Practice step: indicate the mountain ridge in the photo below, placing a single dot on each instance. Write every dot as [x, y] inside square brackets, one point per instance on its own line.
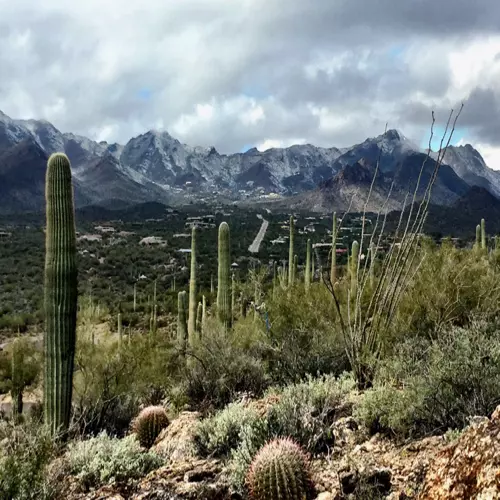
[154, 166]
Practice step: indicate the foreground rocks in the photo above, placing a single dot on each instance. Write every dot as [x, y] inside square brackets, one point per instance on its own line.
[357, 467]
[469, 467]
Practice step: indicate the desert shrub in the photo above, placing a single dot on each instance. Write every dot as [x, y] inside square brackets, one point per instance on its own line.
[306, 411]
[106, 460]
[113, 381]
[221, 433]
[430, 386]
[304, 338]
[25, 452]
[303, 411]
[467, 286]
[223, 365]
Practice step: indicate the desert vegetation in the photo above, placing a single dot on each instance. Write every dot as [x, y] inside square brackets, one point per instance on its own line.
[391, 330]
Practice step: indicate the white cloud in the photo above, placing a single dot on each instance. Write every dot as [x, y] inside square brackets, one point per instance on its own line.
[230, 74]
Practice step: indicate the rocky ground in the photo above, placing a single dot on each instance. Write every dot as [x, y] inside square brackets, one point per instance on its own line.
[357, 468]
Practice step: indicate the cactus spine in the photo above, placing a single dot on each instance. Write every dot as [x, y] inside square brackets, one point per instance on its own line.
[60, 301]
[223, 285]
[182, 329]
[307, 276]
[290, 252]
[280, 471]
[192, 290]
[333, 266]
[483, 234]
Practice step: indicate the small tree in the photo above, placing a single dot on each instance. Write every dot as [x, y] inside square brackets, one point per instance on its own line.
[20, 366]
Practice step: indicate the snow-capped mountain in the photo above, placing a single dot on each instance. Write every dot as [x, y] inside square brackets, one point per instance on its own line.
[155, 166]
[471, 167]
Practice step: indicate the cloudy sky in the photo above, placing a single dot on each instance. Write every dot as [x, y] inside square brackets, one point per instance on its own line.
[243, 73]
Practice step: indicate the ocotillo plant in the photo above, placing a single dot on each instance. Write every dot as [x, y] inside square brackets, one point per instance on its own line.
[223, 286]
[182, 329]
[307, 275]
[60, 302]
[291, 251]
[483, 235]
[192, 290]
[333, 267]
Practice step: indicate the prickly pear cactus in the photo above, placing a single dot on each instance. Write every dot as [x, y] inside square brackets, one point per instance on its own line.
[149, 423]
[280, 471]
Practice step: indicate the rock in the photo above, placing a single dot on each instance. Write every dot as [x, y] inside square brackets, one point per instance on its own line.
[176, 441]
[469, 468]
[374, 480]
[326, 495]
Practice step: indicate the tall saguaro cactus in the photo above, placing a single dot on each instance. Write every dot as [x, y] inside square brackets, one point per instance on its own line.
[478, 237]
[223, 285]
[333, 266]
[290, 252]
[60, 294]
[307, 276]
[193, 305]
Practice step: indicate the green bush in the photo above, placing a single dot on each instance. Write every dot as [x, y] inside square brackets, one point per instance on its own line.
[304, 337]
[221, 433]
[306, 411]
[25, 452]
[105, 460]
[223, 366]
[113, 381]
[430, 386]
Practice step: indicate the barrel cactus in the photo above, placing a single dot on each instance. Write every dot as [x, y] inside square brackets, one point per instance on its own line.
[60, 294]
[280, 471]
[149, 423]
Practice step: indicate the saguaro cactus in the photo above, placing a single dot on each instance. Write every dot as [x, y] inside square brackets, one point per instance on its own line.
[478, 237]
[307, 276]
[333, 266]
[203, 313]
[193, 306]
[354, 266]
[483, 235]
[199, 317]
[290, 251]
[224, 286]
[60, 301]
[182, 329]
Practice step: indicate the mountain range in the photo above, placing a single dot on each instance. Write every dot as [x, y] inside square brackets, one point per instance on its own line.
[157, 167]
